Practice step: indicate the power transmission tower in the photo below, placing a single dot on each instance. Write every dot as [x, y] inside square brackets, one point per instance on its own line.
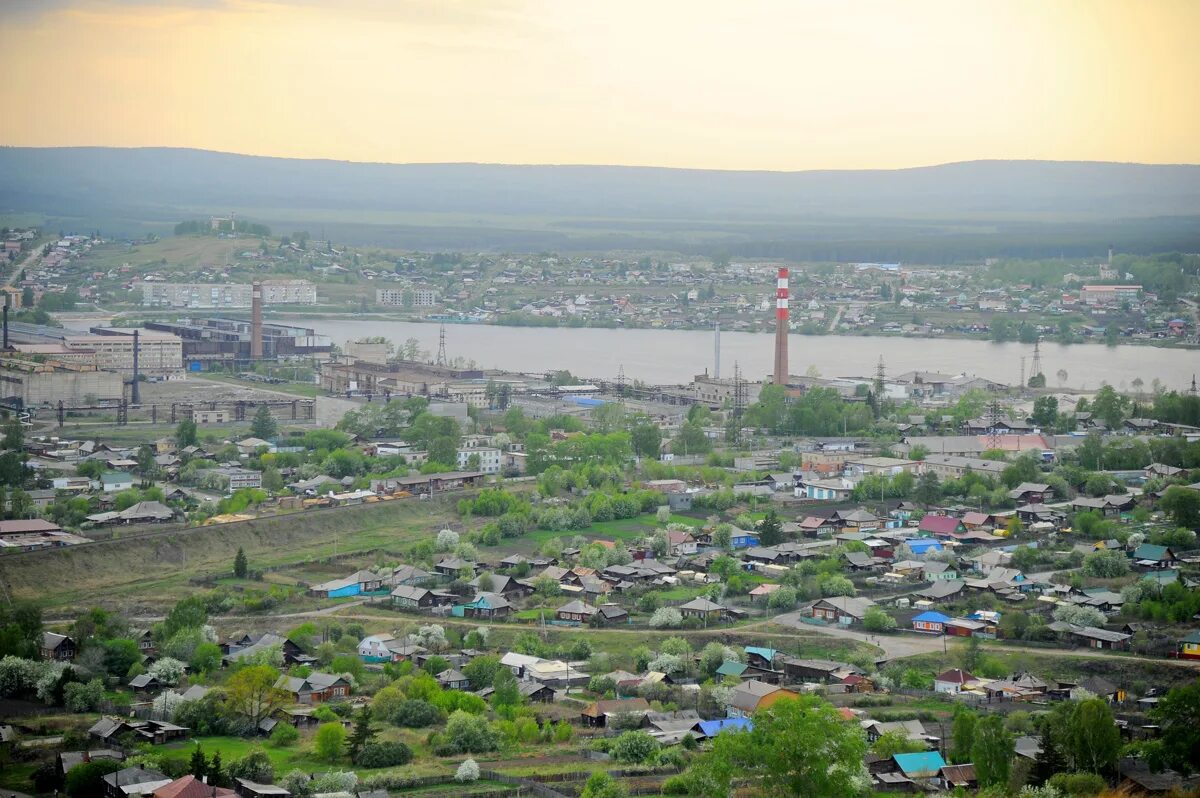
[441, 353]
[1022, 373]
[1192, 391]
[993, 417]
[739, 391]
[621, 381]
[880, 373]
[1037, 358]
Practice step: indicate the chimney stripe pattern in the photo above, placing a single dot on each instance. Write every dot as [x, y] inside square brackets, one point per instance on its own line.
[781, 328]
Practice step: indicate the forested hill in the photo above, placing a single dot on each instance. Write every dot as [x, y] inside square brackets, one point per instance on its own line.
[580, 203]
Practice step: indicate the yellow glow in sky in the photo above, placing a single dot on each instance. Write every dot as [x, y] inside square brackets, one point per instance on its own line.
[760, 84]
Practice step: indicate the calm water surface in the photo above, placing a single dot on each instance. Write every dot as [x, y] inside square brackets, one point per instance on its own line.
[675, 356]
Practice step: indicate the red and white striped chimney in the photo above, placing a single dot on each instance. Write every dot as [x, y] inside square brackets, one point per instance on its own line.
[781, 328]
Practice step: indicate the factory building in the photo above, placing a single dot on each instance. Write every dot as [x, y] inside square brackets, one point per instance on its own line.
[225, 340]
[32, 384]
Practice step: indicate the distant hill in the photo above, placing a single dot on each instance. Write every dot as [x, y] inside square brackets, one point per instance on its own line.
[1037, 206]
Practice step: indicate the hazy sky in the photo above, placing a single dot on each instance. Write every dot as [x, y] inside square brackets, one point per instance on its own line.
[769, 84]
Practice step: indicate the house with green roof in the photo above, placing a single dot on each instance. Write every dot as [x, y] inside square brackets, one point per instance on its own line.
[1150, 555]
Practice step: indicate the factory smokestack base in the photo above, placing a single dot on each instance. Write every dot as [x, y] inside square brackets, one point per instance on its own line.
[781, 328]
[256, 322]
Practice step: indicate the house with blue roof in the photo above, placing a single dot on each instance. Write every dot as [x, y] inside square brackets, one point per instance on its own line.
[921, 765]
[762, 657]
[711, 728]
[922, 546]
[931, 621]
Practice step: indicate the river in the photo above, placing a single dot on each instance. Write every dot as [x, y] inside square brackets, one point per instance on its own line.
[675, 356]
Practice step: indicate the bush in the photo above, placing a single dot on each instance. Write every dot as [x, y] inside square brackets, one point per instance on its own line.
[1078, 785]
[470, 734]
[283, 735]
[1106, 564]
[876, 620]
[384, 755]
[416, 714]
[328, 741]
[255, 766]
[634, 747]
[467, 771]
[666, 618]
[80, 697]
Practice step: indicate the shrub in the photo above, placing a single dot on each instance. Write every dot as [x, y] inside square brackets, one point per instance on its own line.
[328, 741]
[467, 771]
[876, 620]
[80, 697]
[255, 766]
[666, 618]
[1078, 785]
[782, 599]
[384, 755]
[634, 747]
[283, 735]
[470, 734]
[416, 714]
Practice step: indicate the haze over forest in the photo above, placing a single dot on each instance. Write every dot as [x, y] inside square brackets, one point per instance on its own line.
[936, 213]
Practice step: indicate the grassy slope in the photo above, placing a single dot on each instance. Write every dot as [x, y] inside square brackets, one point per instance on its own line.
[162, 565]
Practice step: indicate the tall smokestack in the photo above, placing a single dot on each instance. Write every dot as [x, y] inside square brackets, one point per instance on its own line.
[781, 328]
[717, 351]
[135, 393]
[256, 336]
[6, 323]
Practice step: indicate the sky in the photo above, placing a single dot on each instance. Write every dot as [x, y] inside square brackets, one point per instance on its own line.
[737, 84]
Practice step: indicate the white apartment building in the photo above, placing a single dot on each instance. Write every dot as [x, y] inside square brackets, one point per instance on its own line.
[490, 459]
[227, 295]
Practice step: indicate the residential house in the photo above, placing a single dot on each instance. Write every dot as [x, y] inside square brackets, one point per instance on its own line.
[115, 481]
[843, 610]
[453, 567]
[613, 613]
[921, 765]
[487, 605]
[704, 609]
[599, 713]
[931, 621]
[409, 575]
[936, 571]
[941, 525]
[355, 584]
[144, 684]
[414, 598]
[1149, 555]
[576, 611]
[1189, 646]
[1031, 493]
[56, 647]
[751, 696]
[952, 681]
[134, 781]
[958, 777]
[453, 679]
[316, 688]
[191, 787]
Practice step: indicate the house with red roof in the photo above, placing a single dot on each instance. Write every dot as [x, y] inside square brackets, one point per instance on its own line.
[943, 525]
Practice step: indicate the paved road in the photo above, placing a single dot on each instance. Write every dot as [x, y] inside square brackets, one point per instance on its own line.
[20, 267]
[910, 645]
[894, 646]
